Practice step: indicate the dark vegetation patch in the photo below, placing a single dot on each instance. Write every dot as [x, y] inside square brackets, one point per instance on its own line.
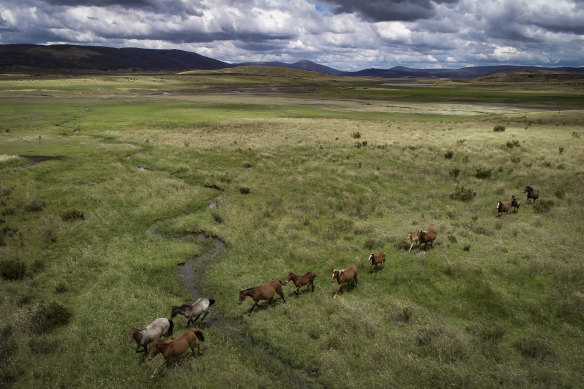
[543, 206]
[535, 347]
[49, 316]
[499, 128]
[35, 206]
[12, 269]
[72, 214]
[463, 194]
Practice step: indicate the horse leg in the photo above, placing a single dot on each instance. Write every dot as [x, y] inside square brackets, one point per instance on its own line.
[297, 291]
[311, 284]
[197, 318]
[252, 307]
[158, 368]
[281, 293]
[339, 288]
[356, 283]
[204, 316]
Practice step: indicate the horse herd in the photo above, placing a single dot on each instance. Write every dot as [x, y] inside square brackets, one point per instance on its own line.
[515, 203]
[170, 348]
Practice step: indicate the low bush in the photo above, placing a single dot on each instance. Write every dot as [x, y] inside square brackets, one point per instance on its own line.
[543, 206]
[534, 347]
[356, 135]
[488, 332]
[449, 154]
[499, 129]
[463, 194]
[454, 173]
[49, 316]
[483, 173]
[513, 144]
[72, 214]
[244, 190]
[12, 269]
[35, 206]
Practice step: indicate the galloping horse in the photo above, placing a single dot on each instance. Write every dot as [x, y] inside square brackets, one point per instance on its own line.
[174, 348]
[156, 329]
[262, 292]
[195, 309]
[347, 274]
[376, 259]
[299, 281]
[423, 237]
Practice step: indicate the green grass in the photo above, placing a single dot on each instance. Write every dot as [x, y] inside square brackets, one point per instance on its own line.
[496, 302]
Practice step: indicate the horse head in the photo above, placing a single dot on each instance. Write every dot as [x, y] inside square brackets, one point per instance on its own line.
[133, 332]
[155, 349]
[242, 295]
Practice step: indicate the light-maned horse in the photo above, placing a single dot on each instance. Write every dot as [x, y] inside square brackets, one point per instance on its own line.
[196, 309]
[262, 292]
[143, 336]
[425, 237]
[376, 259]
[173, 348]
[345, 275]
[300, 281]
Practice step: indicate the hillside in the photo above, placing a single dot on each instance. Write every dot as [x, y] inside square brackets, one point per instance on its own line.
[87, 58]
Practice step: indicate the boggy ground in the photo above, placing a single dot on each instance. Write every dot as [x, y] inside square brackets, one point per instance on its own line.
[310, 182]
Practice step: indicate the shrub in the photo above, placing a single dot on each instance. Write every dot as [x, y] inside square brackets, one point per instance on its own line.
[5, 191]
[35, 206]
[543, 206]
[449, 154]
[12, 269]
[356, 135]
[246, 165]
[513, 143]
[462, 194]
[488, 332]
[72, 214]
[499, 128]
[244, 190]
[560, 193]
[454, 173]
[217, 217]
[483, 173]
[49, 316]
[561, 149]
[534, 347]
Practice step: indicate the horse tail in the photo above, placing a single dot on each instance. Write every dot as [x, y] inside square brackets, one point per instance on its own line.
[199, 334]
[170, 327]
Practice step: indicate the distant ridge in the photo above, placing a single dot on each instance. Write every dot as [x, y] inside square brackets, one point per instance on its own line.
[87, 58]
[73, 58]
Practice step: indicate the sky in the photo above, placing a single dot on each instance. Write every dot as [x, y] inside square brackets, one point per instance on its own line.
[347, 35]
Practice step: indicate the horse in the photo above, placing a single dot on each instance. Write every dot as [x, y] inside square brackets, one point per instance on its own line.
[173, 348]
[159, 327]
[423, 237]
[376, 259]
[201, 306]
[503, 207]
[345, 275]
[262, 292]
[515, 203]
[299, 281]
[531, 193]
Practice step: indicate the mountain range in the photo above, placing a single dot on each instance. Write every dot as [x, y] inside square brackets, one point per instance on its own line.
[73, 58]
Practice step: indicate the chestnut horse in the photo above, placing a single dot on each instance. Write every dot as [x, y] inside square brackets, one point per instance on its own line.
[159, 327]
[195, 309]
[531, 193]
[299, 281]
[262, 292]
[347, 274]
[423, 237]
[173, 348]
[503, 206]
[376, 259]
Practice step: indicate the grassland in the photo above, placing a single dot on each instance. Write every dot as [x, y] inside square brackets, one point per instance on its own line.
[309, 173]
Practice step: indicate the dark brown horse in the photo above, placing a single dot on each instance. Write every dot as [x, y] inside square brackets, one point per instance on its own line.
[531, 193]
[262, 292]
[345, 275]
[423, 237]
[173, 348]
[376, 259]
[299, 281]
[515, 203]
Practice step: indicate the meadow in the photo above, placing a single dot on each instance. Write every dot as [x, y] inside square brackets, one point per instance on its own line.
[292, 171]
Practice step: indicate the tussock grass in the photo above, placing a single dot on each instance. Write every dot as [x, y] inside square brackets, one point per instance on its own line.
[495, 302]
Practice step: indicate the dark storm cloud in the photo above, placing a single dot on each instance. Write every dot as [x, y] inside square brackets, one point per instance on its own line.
[389, 10]
[103, 3]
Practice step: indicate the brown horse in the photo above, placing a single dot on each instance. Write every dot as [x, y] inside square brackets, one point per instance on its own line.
[515, 203]
[201, 306]
[376, 259]
[347, 274]
[173, 348]
[503, 207]
[299, 281]
[531, 193]
[262, 292]
[423, 237]
[159, 327]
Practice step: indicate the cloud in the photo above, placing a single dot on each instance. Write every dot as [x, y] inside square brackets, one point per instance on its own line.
[345, 34]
